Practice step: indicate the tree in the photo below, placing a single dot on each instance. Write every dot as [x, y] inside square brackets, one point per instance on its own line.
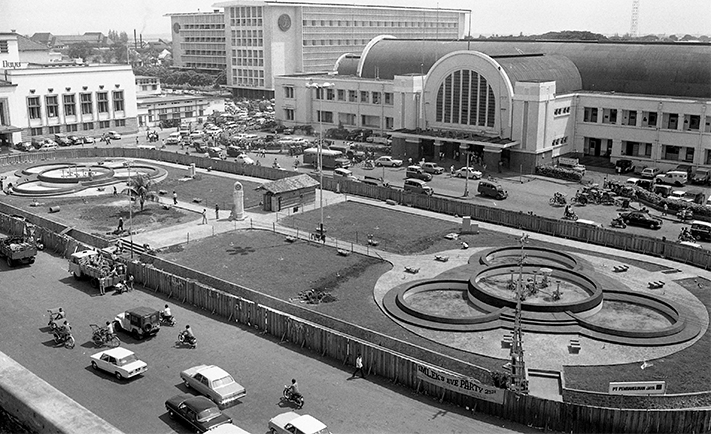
[123, 37]
[140, 187]
[80, 51]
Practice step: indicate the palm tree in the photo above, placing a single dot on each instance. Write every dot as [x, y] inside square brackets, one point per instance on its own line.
[140, 187]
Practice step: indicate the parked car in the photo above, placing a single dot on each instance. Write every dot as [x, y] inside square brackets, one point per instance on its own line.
[702, 176]
[198, 412]
[243, 158]
[625, 165]
[291, 422]
[649, 172]
[120, 362]
[341, 173]
[87, 139]
[24, 146]
[642, 219]
[146, 146]
[388, 161]
[227, 428]
[673, 178]
[216, 153]
[75, 140]
[700, 230]
[417, 172]
[47, 145]
[685, 168]
[173, 138]
[468, 172]
[139, 322]
[417, 186]
[432, 168]
[491, 189]
[113, 135]
[213, 382]
[679, 195]
[62, 140]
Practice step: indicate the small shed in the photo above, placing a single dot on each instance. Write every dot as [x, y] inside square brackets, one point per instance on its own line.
[288, 192]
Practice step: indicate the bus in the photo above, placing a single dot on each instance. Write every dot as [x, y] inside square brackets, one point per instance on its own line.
[330, 159]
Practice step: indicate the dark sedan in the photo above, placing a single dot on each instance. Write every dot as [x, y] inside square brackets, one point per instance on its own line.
[642, 219]
[200, 413]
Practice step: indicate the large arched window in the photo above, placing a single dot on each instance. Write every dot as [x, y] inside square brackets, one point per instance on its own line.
[465, 97]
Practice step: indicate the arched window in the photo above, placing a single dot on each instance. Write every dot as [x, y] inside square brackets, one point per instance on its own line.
[465, 97]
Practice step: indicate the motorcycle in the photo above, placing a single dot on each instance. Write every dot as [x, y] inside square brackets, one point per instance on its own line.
[558, 199]
[100, 336]
[65, 338]
[618, 223]
[168, 320]
[56, 316]
[685, 236]
[571, 216]
[368, 164]
[297, 399]
[685, 214]
[183, 340]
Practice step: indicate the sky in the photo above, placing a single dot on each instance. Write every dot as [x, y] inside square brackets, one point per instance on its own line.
[501, 17]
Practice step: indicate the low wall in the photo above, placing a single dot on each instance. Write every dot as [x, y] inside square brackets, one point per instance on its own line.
[42, 408]
[668, 401]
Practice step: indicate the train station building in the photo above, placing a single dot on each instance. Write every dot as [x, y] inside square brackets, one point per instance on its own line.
[521, 103]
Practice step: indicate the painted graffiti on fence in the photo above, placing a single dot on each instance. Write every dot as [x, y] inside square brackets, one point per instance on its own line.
[460, 384]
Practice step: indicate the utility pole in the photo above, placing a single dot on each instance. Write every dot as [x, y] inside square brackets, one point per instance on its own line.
[519, 382]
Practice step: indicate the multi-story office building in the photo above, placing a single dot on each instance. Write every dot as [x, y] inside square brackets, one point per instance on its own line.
[523, 103]
[199, 41]
[37, 101]
[263, 39]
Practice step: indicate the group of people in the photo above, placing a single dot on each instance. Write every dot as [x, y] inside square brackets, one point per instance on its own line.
[151, 136]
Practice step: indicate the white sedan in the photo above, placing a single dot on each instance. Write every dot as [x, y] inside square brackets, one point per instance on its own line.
[388, 161]
[468, 172]
[214, 383]
[120, 362]
[245, 159]
[291, 422]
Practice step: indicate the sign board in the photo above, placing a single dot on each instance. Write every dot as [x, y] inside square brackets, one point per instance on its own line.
[567, 161]
[461, 384]
[642, 388]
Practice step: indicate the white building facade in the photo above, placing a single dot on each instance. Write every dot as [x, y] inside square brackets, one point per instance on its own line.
[523, 105]
[198, 41]
[85, 100]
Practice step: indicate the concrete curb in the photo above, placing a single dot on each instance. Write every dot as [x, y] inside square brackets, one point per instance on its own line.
[41, 407]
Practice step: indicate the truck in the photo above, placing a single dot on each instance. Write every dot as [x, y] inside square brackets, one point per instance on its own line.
[330, 159]
[17, 250]
[103, 272]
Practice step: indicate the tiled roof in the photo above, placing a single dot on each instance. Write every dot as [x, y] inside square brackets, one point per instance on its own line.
[27, 44]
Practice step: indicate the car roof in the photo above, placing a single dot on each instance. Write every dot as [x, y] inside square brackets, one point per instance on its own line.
[199, 403]
[214, 372]
[142, 311]
[117, 352]
[702, 223]
[307, 424]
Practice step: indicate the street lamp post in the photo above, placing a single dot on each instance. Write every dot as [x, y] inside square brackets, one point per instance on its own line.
[320, 116]
[128, 164]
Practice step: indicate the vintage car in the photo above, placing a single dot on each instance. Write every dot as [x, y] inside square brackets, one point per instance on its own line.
[120, 362]
[198, 412]
[642, 219]
[244, 159]
[388, 161]
[468, 172]
[291, 422]
[139, 322]
[432, 168]
[213, 382]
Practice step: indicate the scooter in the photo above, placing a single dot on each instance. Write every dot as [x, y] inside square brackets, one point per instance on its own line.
[297, 399]
[64, 338]
[185, 341]
[168, 320]
[572, 216]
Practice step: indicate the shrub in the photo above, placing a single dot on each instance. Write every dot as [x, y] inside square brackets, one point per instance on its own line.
[561, 173]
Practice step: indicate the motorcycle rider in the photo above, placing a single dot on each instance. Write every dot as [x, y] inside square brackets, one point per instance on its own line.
[166, 314]
[619, 221]
[188, 336]
[109, 330]
[293, 391]
[568, 213]
[64, 330]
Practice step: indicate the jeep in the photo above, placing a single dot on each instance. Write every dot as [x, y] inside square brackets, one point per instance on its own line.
[139, 322]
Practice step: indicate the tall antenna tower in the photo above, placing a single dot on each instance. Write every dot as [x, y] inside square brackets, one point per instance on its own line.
[634, 19]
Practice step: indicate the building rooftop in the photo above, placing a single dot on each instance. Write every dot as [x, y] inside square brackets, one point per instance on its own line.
[289, 184]
[669, 69]
[26, 44]
[330, 5]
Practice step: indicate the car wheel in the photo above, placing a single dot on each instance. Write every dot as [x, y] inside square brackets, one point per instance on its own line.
[118, 376]
[626, 221]
[94, 366]
[171, 414]
[653, 226]
[378, 164]
[186, 383]
[137, 335]
[271, 430]
[117, 326]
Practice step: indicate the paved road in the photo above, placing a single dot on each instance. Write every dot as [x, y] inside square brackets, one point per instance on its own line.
[260, 363]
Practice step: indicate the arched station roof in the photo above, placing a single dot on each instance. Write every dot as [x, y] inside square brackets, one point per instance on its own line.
[674, 69]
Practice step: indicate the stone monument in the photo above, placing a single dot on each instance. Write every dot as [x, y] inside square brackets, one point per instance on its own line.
[238, 203]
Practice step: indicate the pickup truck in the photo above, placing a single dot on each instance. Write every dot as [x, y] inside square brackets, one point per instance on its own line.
[17, 249]
[103, 272]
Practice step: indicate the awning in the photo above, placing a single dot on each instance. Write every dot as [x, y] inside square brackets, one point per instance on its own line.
[9, 129]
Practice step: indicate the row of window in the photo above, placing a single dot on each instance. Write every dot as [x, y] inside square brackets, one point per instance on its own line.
[247, 62]
[367, 97]
[239, 72]
[355, 23]
[306, 42]
[69, 104]
[257, 33]
[562, 111]
[560, 141]
[204, 53]
[242, 81]
[245, 11]
[204, 65]
[240, 42]
[4, 47]
[219, 26]
[668, 152]
[345, 119]
[204, 39]
[254, 22]
[248, 53]
[668, 121]
[71, 128]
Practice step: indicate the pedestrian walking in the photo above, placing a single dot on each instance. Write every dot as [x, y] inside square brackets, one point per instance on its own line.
[131, 281]
[205, 217]
[499, 167]
[665, 209]
[359, 367]
[175, 198]
[136, 140]
[115, 192]
[120, 228]
[452, 170]
[217, 212]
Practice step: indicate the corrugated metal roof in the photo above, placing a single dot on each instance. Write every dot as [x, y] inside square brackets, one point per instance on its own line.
[678, 70]
[543, 68]
[302, 181]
